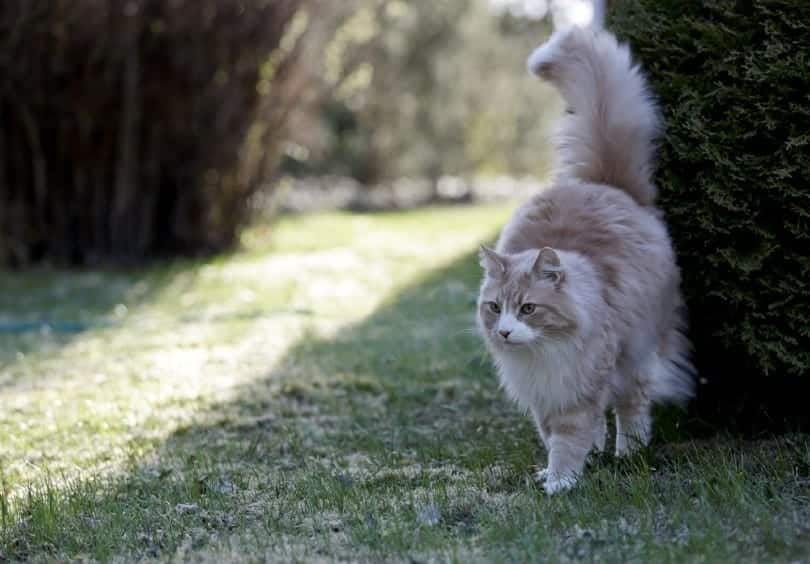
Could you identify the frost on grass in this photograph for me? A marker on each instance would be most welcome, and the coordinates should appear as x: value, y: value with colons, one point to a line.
x: 429, y: 515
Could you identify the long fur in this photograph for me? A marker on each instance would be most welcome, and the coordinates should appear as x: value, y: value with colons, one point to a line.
x: 594, y: 255
x: 607, y: 135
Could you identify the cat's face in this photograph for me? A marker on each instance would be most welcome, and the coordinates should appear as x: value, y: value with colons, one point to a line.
x: 523, y: 300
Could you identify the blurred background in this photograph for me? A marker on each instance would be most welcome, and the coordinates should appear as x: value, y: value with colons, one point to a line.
x: 144, y: 128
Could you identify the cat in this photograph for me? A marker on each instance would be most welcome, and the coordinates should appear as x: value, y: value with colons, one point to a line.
x: 580, y: 305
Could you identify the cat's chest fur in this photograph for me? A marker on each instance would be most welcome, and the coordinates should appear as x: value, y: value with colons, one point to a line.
x: 547, y: 379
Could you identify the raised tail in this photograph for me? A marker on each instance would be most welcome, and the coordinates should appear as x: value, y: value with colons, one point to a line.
x: 607, y: 136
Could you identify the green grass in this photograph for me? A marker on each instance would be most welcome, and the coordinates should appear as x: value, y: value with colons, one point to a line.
x: 320, y: 396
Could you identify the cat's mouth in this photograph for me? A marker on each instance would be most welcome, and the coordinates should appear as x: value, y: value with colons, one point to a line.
x: 512, y: 344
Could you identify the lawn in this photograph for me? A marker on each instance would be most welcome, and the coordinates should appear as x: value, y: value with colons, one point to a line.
x: 320, y: 395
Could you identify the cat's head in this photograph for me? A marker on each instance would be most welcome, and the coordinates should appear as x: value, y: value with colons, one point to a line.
x: 525, y: 299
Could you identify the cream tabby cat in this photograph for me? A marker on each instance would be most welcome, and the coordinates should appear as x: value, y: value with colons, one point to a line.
x: 580, y: 304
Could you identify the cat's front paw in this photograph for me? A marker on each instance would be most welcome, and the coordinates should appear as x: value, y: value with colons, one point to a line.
x: 556, y: 484
x: 541, y: 475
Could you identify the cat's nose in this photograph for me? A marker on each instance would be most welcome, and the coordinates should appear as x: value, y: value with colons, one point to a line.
x: 505, y: 334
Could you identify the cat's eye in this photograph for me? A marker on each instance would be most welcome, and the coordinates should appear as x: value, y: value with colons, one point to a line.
x: 494, y: 307
x: 551, y: 275
x: 527, y: 309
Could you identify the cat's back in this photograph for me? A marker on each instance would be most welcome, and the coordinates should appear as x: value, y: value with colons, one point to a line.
x: 599, y: 222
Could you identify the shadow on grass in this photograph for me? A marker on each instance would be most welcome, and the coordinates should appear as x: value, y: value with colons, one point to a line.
x: 407, y: 387
x: 349, y: 443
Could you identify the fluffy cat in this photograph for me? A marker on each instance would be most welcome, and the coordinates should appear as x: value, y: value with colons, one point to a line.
x: 580, y: 304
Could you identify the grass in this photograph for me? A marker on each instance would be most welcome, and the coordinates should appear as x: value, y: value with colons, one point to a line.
x: 319, y: 396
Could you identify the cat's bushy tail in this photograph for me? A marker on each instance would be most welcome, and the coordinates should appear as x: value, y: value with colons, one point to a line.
x: 608, y: 132
x: 672, y: 372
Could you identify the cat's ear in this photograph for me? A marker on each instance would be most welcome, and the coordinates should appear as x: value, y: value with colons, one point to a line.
x: 547, y: 266
x: 492, y: 262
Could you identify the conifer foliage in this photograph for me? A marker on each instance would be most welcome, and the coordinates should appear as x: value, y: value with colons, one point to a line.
x: 733, y: 78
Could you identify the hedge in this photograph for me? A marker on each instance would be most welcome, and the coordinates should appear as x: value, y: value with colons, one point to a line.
x: 137, y: 129
x: 733, y: 79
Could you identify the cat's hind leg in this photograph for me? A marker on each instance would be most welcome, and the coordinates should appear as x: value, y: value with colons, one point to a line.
x: 633, y: 424
x: 600, y: 433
